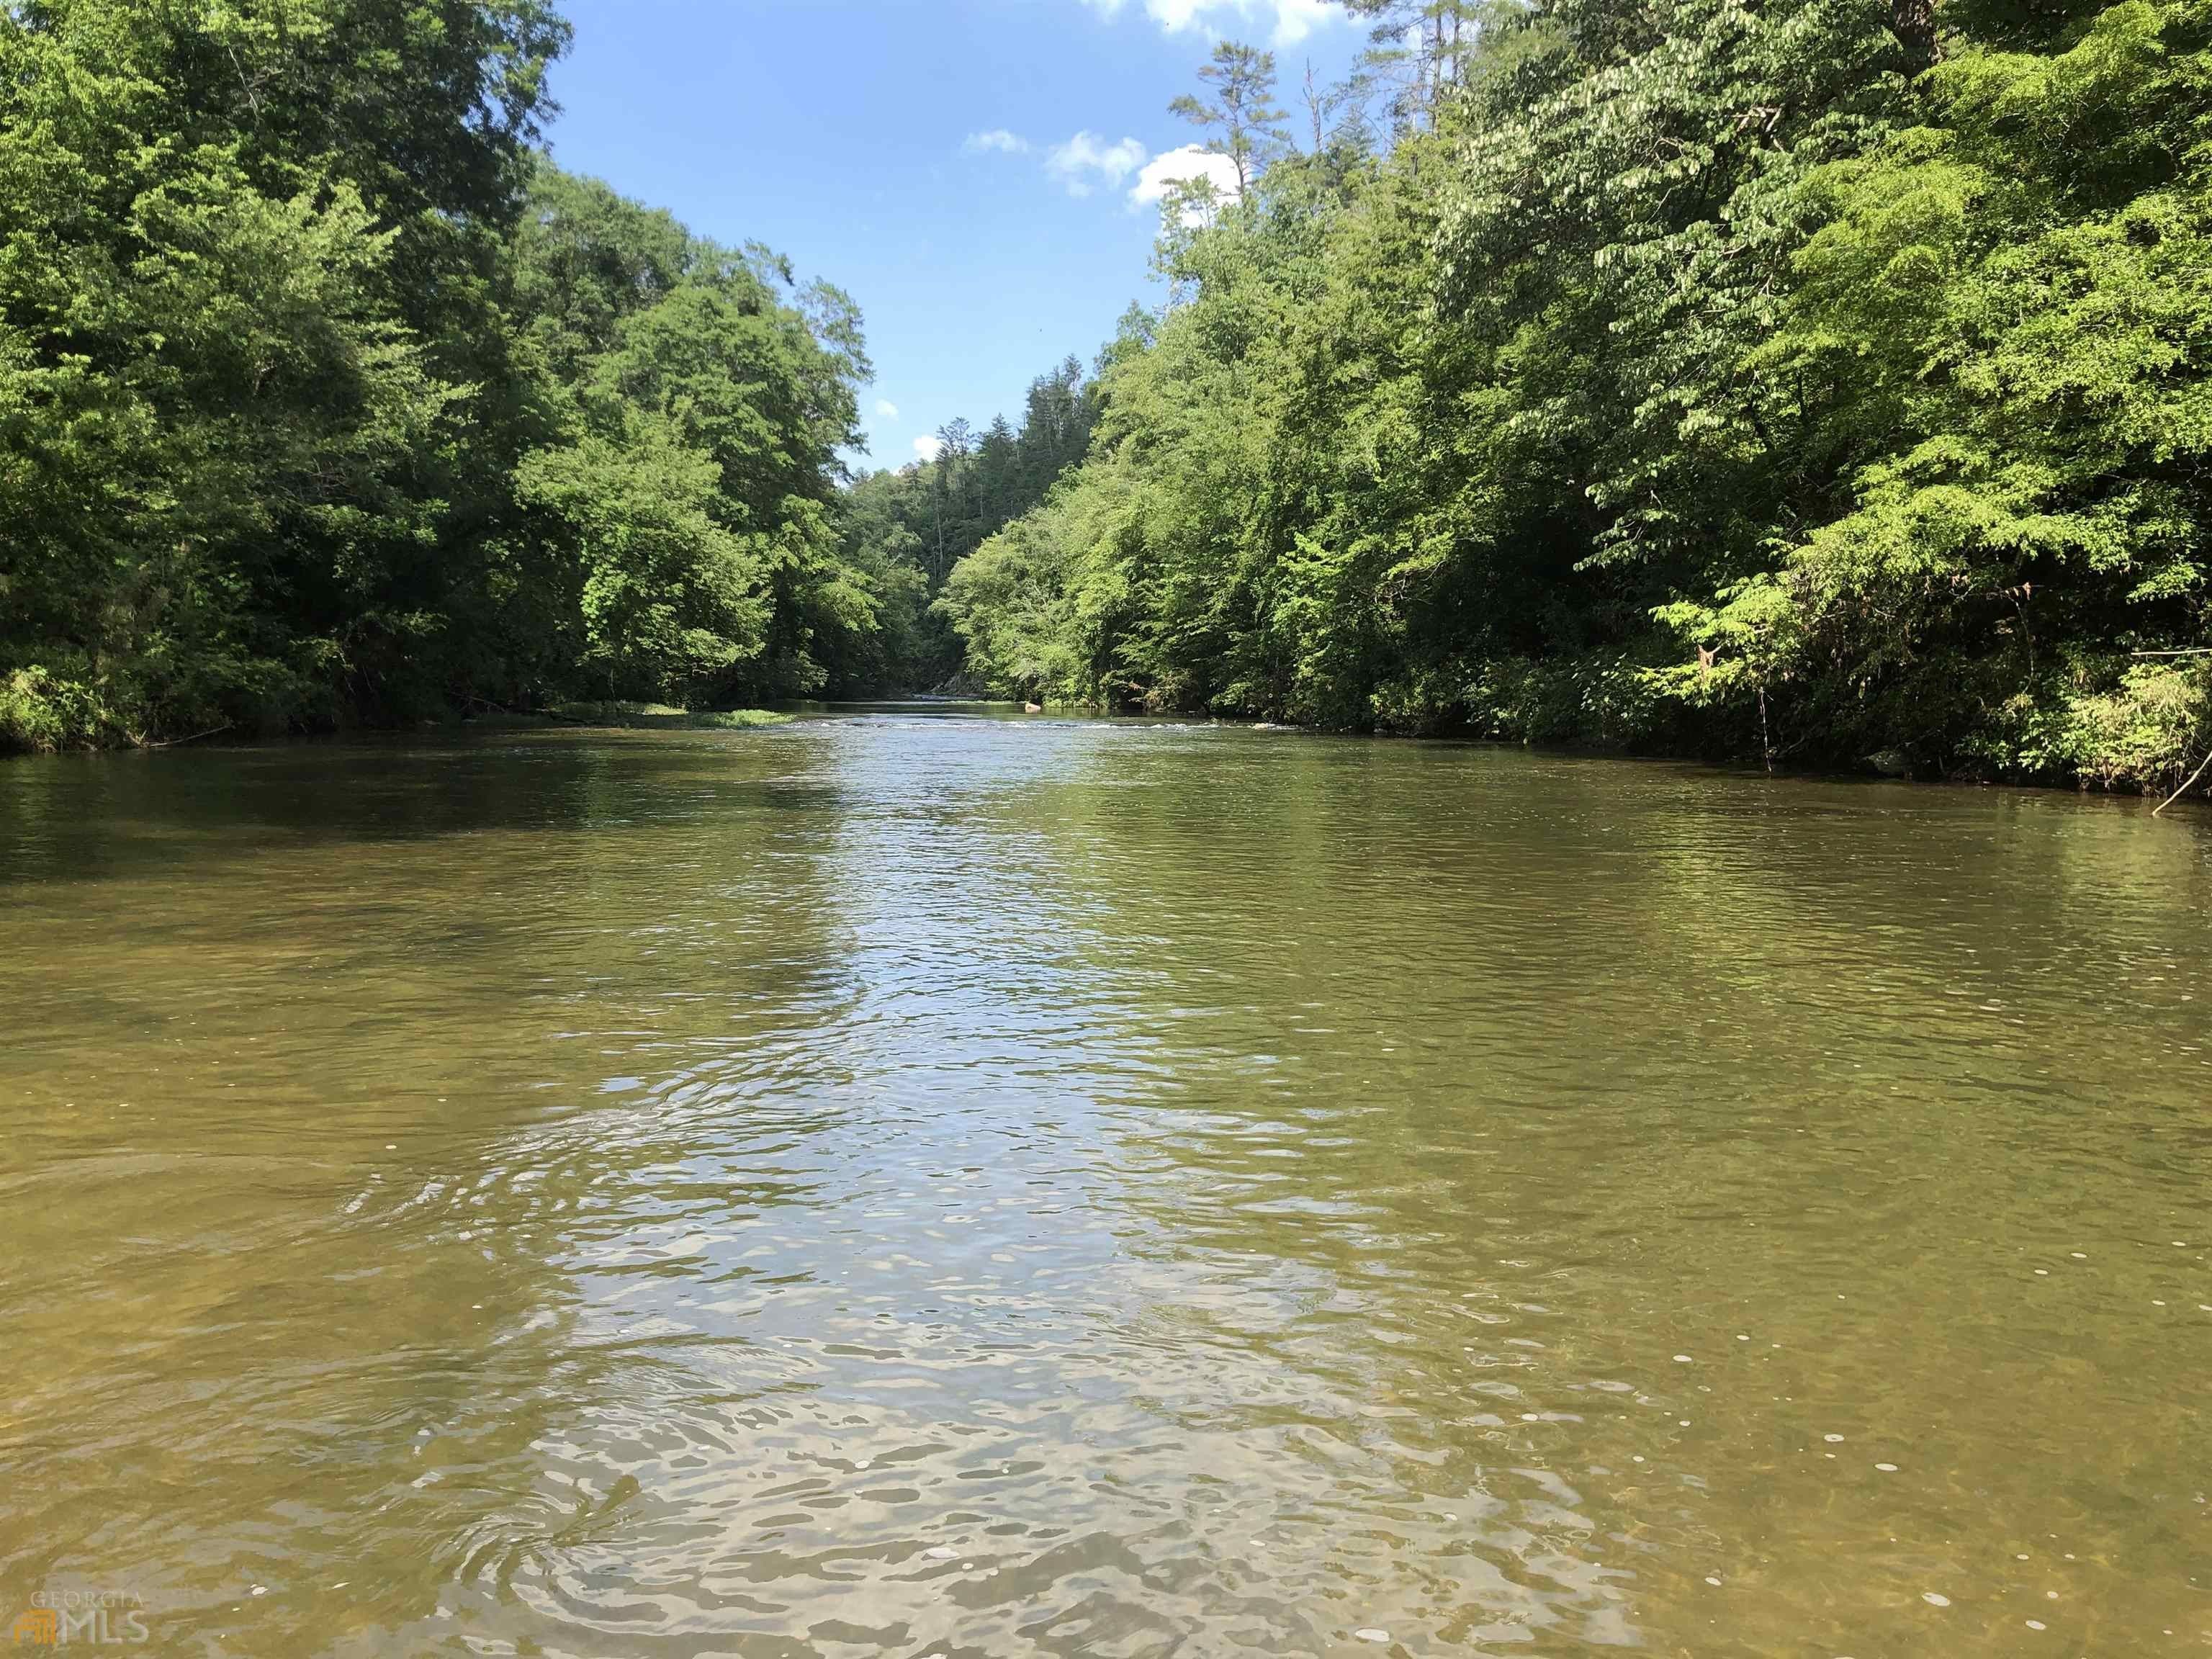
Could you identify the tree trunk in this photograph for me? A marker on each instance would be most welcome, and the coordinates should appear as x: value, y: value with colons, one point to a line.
x: 1913, y: 23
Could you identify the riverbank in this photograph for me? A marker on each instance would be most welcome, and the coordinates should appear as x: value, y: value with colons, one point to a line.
x: 614, y: 715
x: 2192, y: 781
x: 618, y: 715
x: 661, y: 717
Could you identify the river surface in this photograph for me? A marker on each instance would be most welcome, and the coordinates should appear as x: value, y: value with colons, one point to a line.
x: 900, y: 1184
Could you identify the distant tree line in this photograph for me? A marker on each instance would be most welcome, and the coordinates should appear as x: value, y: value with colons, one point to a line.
x: 1811, y: 379
x: 910, y: 528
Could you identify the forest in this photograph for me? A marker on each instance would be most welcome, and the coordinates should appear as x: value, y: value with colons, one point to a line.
x: 326, y: 398
x: 1817, y: 382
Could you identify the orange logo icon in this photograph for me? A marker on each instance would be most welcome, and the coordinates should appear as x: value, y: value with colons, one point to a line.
x: 40, y: 1624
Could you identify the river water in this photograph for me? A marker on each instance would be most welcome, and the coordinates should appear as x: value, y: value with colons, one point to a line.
x: 901, y: 1184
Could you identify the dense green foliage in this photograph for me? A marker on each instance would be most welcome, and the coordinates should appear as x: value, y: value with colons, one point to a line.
x: 324, y: 396
x: 1812, y: 377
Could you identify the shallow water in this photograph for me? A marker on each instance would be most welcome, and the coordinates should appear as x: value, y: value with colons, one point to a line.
x: 900, y: 1185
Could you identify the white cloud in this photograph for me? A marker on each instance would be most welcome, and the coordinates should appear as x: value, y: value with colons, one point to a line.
x: 1075, y: 162
x: 929, y: 447
x: 1294, y: 20
x: 1187, y: 165
x: 887, y: 409
x: 1008, y: 143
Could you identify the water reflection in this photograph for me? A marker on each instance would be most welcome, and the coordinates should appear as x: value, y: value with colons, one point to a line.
x: 904, y: 1184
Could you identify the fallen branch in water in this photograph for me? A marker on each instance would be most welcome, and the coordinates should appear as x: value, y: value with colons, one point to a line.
x: 2185, y: 788
x: 174, y: 743
x: 524, y: 713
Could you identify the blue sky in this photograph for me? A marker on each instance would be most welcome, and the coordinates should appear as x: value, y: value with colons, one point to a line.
x: 967, y: 170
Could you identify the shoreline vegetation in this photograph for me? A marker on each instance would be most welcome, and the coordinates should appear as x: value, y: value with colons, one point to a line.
x: 609, y: 716
x: 1821, y: 384
x: 618, y: 717
x: 658, y: 717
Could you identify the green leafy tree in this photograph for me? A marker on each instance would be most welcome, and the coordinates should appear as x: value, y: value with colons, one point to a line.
x: 1237, y: 109
x: 672, y: 602
x: 1996, y: 348
x: 219, y: 407
x: 1424, y: 50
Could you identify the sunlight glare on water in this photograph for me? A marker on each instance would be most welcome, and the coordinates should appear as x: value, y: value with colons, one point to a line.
x: 901, y: 1184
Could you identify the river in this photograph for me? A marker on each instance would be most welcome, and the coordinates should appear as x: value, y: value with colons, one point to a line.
x: 904, y: 1183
